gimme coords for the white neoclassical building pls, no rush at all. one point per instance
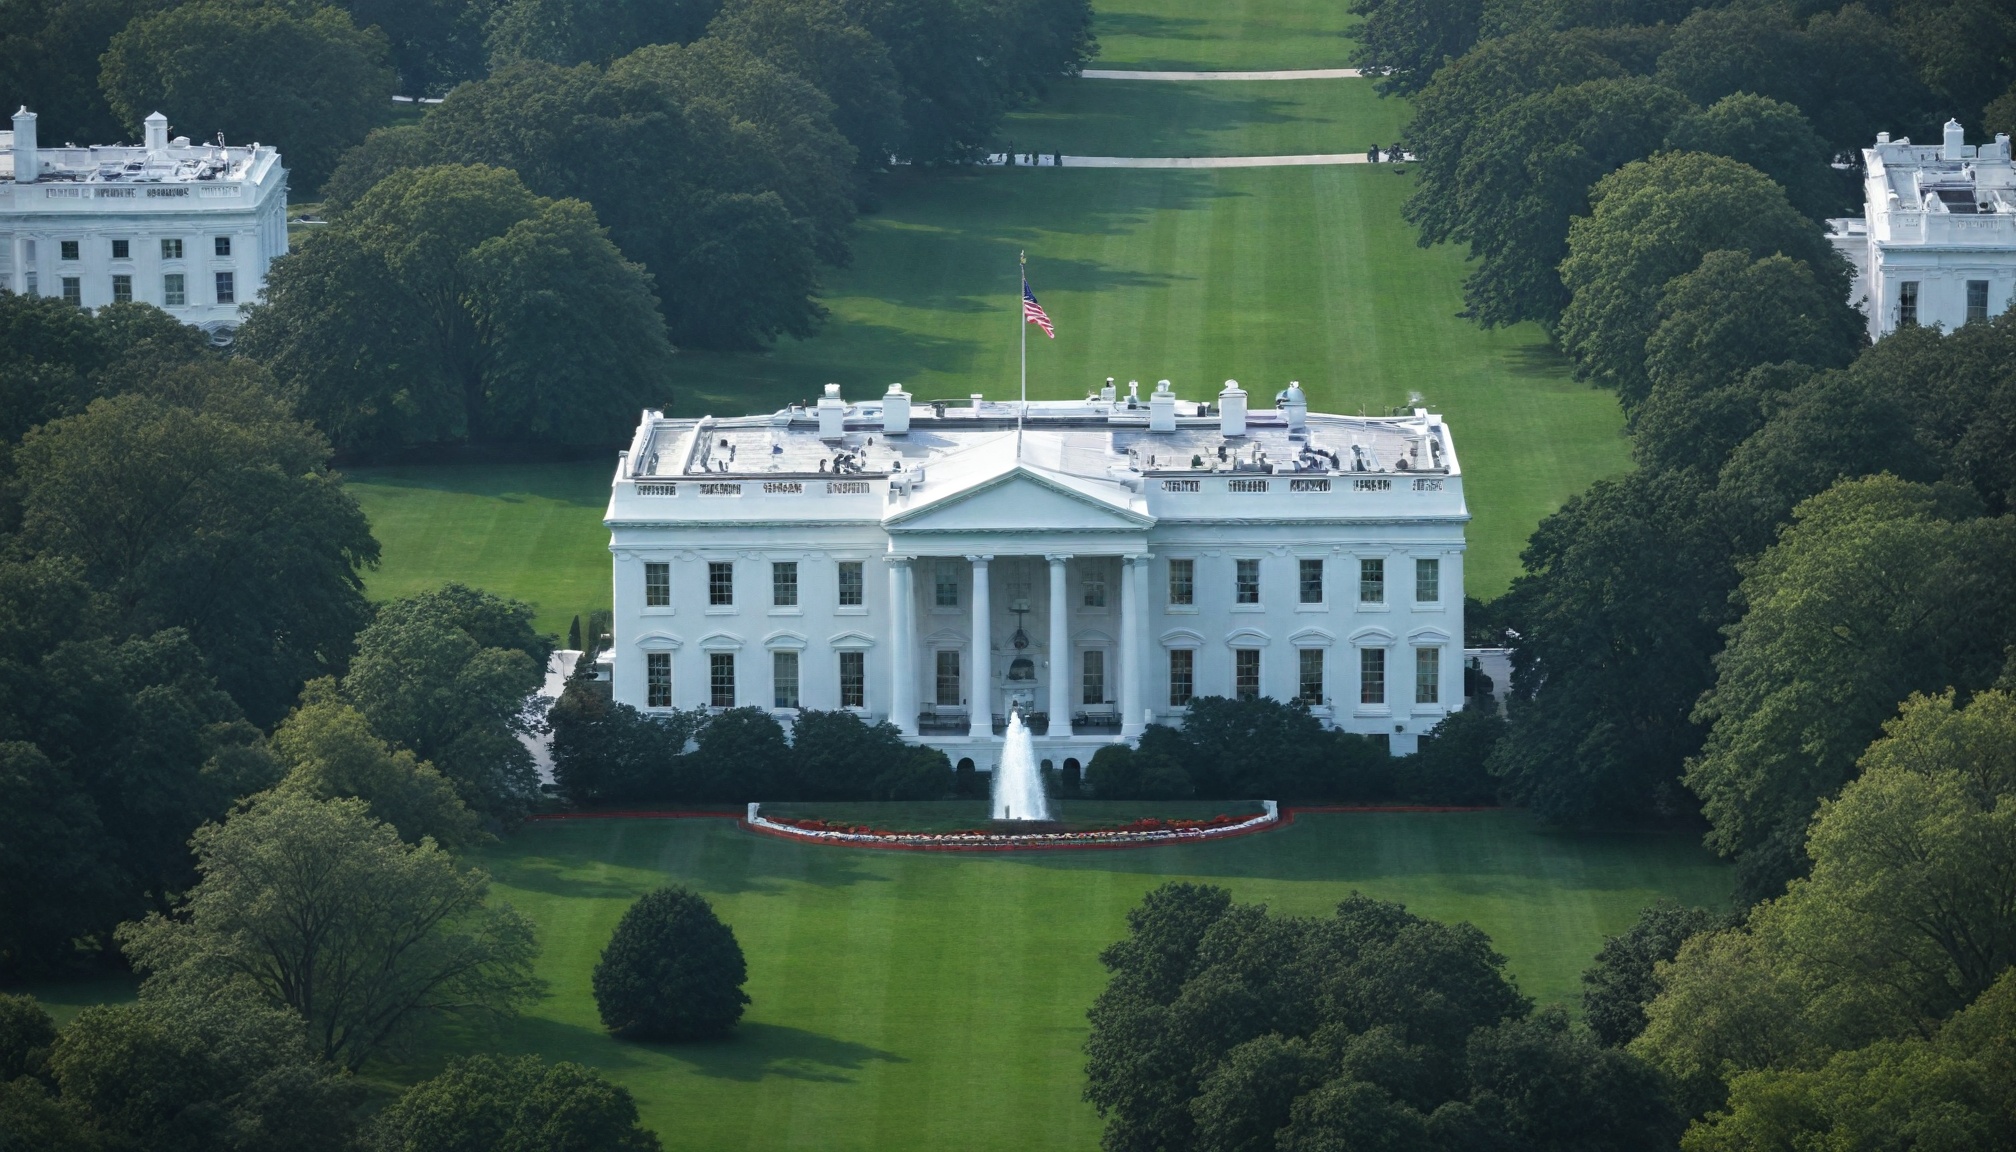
(189, 228)
(1936, 242)
(1093, 564)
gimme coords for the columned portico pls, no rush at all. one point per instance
(980, 692)
(1060, 649)
(903, 661)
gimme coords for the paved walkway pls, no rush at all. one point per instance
(1289, 74)
(1213, 161)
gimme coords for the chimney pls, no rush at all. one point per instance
(832, 414)
(1109, 392)
(896, 411)
(1295, 404)
(1956, 141)
(1232, 409)
(157, 133)
(1162, 408)
(27, 162)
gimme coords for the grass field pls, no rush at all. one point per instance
(1210, 118)
(931, 1001)
(1222, 34)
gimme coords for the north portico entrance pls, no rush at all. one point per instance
(1025, 590)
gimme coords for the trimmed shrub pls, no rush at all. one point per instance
(1449, 768)
(672, 971)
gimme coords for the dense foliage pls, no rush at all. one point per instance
(672, 971)
(522, 1105)
(1223, 1027)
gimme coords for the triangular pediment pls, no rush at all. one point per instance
(1023, 499)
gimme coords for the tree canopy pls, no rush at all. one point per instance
(672, 970)
(522, 1105)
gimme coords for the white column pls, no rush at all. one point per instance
(979, 678)
(1133, 645)
(903, 647)
(1060, 650)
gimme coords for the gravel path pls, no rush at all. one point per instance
(1289, 74)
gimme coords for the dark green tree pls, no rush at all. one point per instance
(435, 44)
(1616, 989)
(822, 42)
(488, 1104)
(306, 79)
(1452, 766)
(26, 1035)
(1776, 139)
(568, 32)
(394, 148)
(610, 753)
(672, 971)
(1118, 772)
(49, 52)
(1406, 41)
(838, 756)
(329, 751)
(741, 756)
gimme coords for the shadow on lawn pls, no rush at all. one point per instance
(713, 856)
(584, 483)
(758, 1051)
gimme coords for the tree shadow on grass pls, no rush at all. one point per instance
(1540, 362)
(1149, 26)
(714, 856)
(755, 1051)
(584, 483)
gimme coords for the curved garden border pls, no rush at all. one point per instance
(755, 821)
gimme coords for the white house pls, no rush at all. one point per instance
(1936, 243)
(190, 228)
(1094, 564)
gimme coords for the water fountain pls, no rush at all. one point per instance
(1018, 786)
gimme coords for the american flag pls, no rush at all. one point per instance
(1033, 313)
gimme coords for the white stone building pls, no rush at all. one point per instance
(1095, 567)
(1936, 243)
(189, 228)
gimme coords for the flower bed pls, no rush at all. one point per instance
(1145, 830)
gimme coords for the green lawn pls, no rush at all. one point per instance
(1221, 34)
(930, 1001)
(1207, 118)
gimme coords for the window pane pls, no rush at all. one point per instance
(73, 290)
(1182, 582)
(1907, 303)
(947, 585)
(1427, 675)
(1182, 679)
(784, 679)
(1371, 581)
(1246, 672)
(852, 585)
(784, 584)
(120, 249)
(122, 289)
(948, 678)
(1311, 668)
(1311, 581)
(853, 679)
(1095, 590)
(68, 248)
(658, 679)
(227, 288)
(657, 585)
(720, 582)
(1977, 301)
(1246, 581)
(223, 246)
(1427, 581)
(172, 295)
(1095, 677)
(1372, 676)
(721, 679)
(171, 249)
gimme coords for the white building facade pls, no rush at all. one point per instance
(1936, 243)
(1094, 565)
(188, 228)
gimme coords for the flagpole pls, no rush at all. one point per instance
(1022, 323)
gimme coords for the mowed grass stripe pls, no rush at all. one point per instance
(1222, 35)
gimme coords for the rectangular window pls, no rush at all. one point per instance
(853, 679)
(68, 248)
(1977, 301)
(1371, 676)
(657, 585)
(122, 289)
(721, 679)
(946, 585)
(1094, 588)
(1246, 582)
(1427, 675)
(721, 583)
(1310, 689)
(784, 584)
(784, 679)
(1427, 581)
(852, 586)
(172, 294)
(1907, 304)
(1182, 676)
(227, 288)
(171, 249)
(1311, 576)
(1371, 581)
(73, 290)
(222, 246)
(1095, 677)
(1182, 582)
(121, 250)
(657, 679)
(1246, 673)
(948, 678)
